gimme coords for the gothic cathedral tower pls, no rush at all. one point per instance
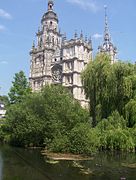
(56, 60)
(46, 58)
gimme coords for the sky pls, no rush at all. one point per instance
(20, 19)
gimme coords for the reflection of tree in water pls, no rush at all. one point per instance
(1, 165)
(20, 164)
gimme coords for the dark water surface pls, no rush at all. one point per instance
(21, 164)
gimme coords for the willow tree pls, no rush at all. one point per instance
(124, 79)
(95, 80)
(109, 87)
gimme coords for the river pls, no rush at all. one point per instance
(22, 164)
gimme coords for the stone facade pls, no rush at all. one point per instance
(56, 60)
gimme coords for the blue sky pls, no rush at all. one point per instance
(19, 21)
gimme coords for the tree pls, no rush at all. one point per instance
(4, 99)
(20, 88)
(95, 80)
(122, 78)
(130, 112)
(109, 87)
(45, 117)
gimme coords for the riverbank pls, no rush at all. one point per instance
(64, 156)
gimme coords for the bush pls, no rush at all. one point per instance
(133, 134)
(114, 134)
(40, 117)
(117, 139)
(59, 144)
(83, 139)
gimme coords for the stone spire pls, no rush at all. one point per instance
(86, 38)
(64, 36)
(106, 31)
(33, 45)
(107, 46)
(81, 35)
(75, 35)
(90, 40)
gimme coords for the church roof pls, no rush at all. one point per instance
(50, 14)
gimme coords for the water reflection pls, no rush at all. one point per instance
(21, 164)
(1, 165)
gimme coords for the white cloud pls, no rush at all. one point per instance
(5, 14)
(97, 36)
(3, 62)
(2, 28)
(85, 4)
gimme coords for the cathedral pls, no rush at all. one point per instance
(57, 60)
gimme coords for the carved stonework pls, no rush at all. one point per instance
(57, 74)
(56, 60)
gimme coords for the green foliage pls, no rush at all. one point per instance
(122, 88)
(5, 100)
(130, 112)
(60, 143)
(114, 134)
(84, 140)
(25, 127)
(95, 78)
(108, 86)
(116, 120)
(54, 119)
(1, 134)
(19, 89)
(112, 122)
(42, 117)
(133, 134)
(117, 139)
(4, 135)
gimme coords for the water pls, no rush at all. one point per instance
(21, 164)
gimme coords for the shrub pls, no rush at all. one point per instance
(117, 139)
(59, 144)
(83, 139)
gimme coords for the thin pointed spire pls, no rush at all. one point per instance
(107, 46)
(33, 45)
(90, 40)
(64, 37)
(81, 35)
(106, 31)
(39, 29)
(75, 35)
(86, 38)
